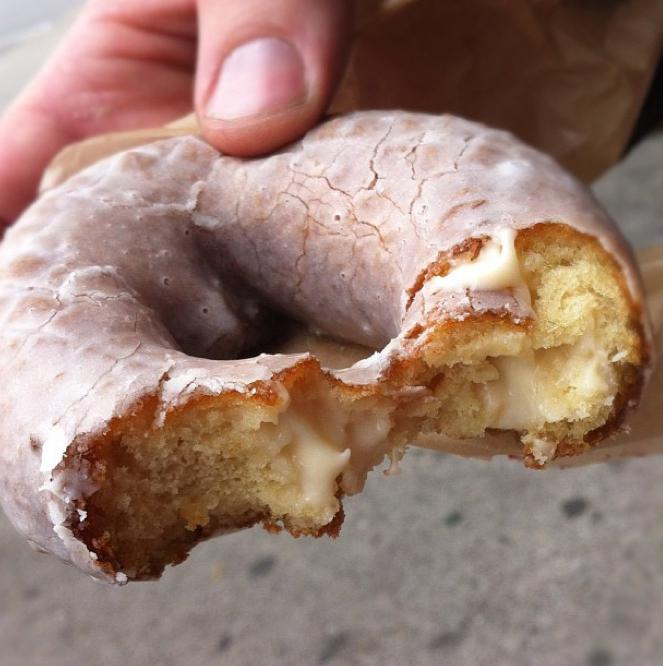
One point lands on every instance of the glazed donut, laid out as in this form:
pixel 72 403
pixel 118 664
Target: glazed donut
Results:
pixel 465 284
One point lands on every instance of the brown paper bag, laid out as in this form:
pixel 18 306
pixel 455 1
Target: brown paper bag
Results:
pixel 77 156
pixel 567 76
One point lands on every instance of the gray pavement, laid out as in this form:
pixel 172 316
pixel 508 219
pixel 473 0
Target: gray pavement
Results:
pixel 452 562
pixel 20 19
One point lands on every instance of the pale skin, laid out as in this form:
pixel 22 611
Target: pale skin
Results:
pixel 257 73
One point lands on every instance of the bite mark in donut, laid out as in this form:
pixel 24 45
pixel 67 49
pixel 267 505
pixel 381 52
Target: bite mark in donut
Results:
pixel 485 304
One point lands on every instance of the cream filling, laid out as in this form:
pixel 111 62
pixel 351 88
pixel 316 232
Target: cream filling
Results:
pixel 319 461
pixel 326 444
pixel 496 267
pixel 549 385
pixel 323 443
pixel 537 388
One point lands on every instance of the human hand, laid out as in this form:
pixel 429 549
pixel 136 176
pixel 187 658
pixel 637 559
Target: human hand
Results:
pixel 259 73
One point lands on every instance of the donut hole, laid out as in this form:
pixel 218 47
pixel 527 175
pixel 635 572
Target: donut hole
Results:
pixel 296 338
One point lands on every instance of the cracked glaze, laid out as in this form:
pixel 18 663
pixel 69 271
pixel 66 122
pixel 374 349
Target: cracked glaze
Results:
pixel 121 283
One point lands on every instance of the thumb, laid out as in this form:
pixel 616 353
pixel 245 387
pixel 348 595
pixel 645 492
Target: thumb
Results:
pixel 266 69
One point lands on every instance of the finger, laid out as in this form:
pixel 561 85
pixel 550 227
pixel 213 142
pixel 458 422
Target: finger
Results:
pixel 266 69
pixel 124 64
pixel 30 138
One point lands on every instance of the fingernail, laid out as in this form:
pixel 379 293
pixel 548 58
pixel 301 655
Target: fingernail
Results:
pixel 258 78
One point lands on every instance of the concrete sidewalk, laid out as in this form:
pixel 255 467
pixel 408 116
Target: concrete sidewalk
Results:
pixel 453 562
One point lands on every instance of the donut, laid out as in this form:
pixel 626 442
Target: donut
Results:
pixel 194 343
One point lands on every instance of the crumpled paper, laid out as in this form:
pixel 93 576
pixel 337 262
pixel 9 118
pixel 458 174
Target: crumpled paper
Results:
pixel 567 76
pixel 74 158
